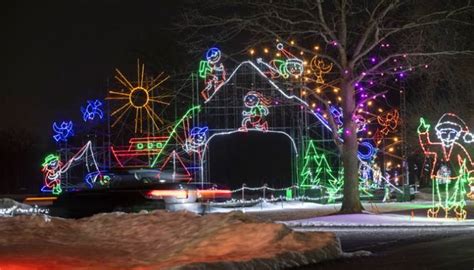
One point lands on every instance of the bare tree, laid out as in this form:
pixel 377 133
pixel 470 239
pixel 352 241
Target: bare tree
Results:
pixel 354 31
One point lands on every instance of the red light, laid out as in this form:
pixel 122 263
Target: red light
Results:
pixel 160 194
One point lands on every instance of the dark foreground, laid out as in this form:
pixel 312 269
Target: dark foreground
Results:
pixel 405 248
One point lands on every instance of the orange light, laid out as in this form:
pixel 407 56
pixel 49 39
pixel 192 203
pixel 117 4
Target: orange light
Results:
pixel 29 199
pixel 316 47
pixel 318 90
pixel 265 50
pixel 369 103
pixel 252 51
pixel 390 149
pixel 335 90
pixel 395 139
pixel 278 54
pixel 179 194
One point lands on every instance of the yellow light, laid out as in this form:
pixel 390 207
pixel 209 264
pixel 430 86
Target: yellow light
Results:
pixel 359 110
pixel 296 76
pixel 329 102
pixel 369 103
pixel 369 132
pixel 390 149
pixel 335 90
pixel 313 105
pixel 339 98
pixel 138 98
pixel 278 54
pixel 303 92
pixel 325 115
pixel 301 53
pixel 389 164
pixel 395 139
pixel 316 47
pixel 292 42
pixel 380 110
pixel 305 62
pixel 252 51
pixel 308 71
pixel 398 166
pixel 318 90
pixel 265 50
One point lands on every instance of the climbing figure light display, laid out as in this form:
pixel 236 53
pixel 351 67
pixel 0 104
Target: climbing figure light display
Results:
pixel 388 123
pixel 62 131
pixel 52 174
pixel 93 109
pixel 451 132
pixel 320 68
pixel 256 111
pixel 212 71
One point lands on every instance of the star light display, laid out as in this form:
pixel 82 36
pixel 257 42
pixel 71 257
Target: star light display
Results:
pixel 138 97
pixel 448 151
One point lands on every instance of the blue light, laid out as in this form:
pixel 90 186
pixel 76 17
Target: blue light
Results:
pixel 63 131
pixel 366 151
pixel 92 110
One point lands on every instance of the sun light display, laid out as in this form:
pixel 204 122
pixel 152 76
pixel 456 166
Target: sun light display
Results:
pixel 138 97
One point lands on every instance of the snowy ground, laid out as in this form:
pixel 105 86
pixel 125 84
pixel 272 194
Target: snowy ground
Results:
pixel 158 240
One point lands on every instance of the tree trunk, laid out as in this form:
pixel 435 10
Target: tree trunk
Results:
pixel 350 201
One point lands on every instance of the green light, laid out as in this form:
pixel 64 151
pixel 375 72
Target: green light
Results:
pixel 173 131
pixel 139 146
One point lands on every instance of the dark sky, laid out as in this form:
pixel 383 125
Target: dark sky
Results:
pixel 57 54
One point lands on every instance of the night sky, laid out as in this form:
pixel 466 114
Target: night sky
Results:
pixel 57 54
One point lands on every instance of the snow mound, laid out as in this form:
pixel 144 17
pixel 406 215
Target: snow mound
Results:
pixel 9 203
pixel 159 240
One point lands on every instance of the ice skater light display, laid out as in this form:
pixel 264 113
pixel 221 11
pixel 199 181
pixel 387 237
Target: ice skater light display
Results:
pixel 257 109
pixel 448 152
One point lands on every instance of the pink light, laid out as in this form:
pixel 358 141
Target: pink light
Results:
pixel 372 60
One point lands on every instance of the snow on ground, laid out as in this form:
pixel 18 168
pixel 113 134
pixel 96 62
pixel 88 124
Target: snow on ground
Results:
pixel 266 206
pixel 159 240
pixel 377 220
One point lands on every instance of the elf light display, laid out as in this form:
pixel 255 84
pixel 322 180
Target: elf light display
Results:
pixel 448 152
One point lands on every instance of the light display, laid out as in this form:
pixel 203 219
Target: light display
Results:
pixel 291 66
pixel 138 151
pixel 257 109
pixel 177 165
pixel 62 131
pixel 53 168
pixel 138 97
pixel 92 110
pixel 319 67
pixel 52 174
pixel 196 139
pixel 173 133
pixel 447 151
pixel 316 168
pixel 388 123
pixel 212 71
